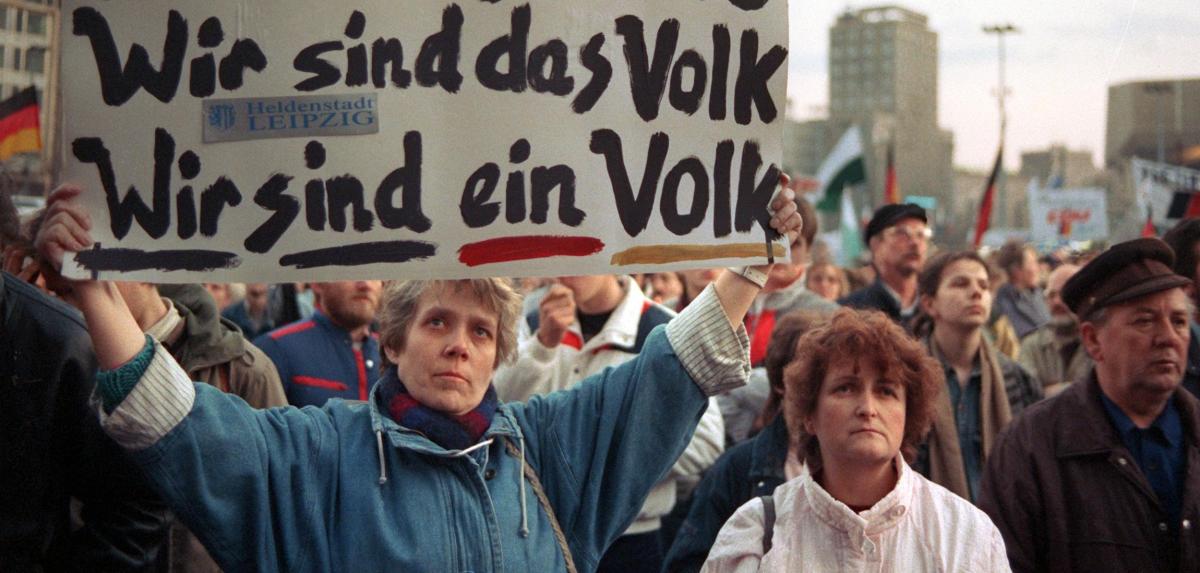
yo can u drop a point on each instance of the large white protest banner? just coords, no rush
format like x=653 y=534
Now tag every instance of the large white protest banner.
x=1057 y=215
x=1171 y=192
x=288 y=140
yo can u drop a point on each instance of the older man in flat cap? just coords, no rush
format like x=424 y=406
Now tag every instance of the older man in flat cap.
x=1106 y=475
x=898 y=236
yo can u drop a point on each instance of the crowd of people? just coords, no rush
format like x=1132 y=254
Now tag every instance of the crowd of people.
x=931 y=411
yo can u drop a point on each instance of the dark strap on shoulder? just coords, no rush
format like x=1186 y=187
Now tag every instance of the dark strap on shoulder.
x=768 y=521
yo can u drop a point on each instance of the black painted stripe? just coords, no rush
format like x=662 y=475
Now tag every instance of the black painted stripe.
x=360 y=254
x=126 y=260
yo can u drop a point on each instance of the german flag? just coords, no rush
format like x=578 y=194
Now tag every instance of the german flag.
x=20 y=128
x=989 y=194
x=891 y=188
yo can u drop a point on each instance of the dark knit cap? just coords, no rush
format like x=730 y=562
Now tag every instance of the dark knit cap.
x=889 y=215
x=1125 y=271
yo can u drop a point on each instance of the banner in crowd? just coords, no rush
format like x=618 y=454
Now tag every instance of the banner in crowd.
x=1169 y=191
x=1057 y=215
x=274 y=140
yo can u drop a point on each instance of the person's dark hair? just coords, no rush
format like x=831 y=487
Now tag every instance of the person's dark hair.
x=931 y=278
x=864 y=335
x=780 y=351
x=1182 y=239
x=1012 y=254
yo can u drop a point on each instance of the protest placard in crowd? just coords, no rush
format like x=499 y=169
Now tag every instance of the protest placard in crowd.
x=1057 y=215
x=1169 y=191
x=281 y=140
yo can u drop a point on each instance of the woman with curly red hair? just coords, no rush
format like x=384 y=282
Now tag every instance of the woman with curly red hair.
x=859 y=399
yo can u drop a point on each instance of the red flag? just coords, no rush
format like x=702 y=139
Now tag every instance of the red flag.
x=985 y=207
x=891 y=190
x=1148 y=230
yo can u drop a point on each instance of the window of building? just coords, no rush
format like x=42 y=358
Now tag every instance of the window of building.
x=3 y=51
x=16 y=59
x=35 y=60
x=3 y=17
x=37 y=24
x=20 y=21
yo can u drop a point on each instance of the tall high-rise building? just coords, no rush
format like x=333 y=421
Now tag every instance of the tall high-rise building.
x=883 y=77
x=1148 y=115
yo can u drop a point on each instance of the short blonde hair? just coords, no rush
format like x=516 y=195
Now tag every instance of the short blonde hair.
x=399 y=309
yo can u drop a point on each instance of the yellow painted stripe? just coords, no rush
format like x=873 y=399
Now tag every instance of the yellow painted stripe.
x=19 y=142
x=662 y=254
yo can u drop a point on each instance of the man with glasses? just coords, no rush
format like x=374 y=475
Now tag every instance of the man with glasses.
x=898 y=236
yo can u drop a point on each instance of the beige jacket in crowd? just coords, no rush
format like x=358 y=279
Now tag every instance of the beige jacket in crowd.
x=1042 y=355
x=919 y=526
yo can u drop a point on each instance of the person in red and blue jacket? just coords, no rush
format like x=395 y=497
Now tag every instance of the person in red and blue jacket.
x=333 y=354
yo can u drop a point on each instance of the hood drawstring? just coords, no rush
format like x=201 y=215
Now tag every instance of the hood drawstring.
x=382 y=467
x=467 y=451
x=521 y=486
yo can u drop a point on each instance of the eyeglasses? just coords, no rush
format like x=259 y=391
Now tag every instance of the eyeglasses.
x=914 y=233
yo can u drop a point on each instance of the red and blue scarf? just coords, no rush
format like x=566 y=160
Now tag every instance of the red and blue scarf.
x=446 y=430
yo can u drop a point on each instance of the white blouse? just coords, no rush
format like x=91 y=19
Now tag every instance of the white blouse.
x=919 y=526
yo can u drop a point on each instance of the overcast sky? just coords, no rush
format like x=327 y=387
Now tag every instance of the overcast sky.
x=1059 y=66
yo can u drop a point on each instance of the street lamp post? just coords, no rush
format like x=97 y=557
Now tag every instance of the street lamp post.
x=1002 y=30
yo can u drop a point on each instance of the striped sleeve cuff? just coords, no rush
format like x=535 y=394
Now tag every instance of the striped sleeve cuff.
x=160 y=400
x=716 y=356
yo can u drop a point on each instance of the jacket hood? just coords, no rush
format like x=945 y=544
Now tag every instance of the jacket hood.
x=207 y=339
x=503 y=425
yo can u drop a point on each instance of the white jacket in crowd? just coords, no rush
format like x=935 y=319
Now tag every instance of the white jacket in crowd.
x=919 y=526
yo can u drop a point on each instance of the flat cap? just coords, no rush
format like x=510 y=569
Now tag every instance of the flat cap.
x=889 y=215
x=1124 y=272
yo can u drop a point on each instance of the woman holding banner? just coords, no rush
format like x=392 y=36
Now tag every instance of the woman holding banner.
x=433 y=474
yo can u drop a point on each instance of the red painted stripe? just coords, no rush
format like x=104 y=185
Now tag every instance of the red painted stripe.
x=508 y=249
x=362 y=374
x=25 y=118
x=319 y=383
x=293 y=329
x=573 y=340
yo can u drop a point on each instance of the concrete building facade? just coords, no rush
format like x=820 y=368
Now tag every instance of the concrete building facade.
x=1143 y=114
x=1075 y=167
x=883 y=77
